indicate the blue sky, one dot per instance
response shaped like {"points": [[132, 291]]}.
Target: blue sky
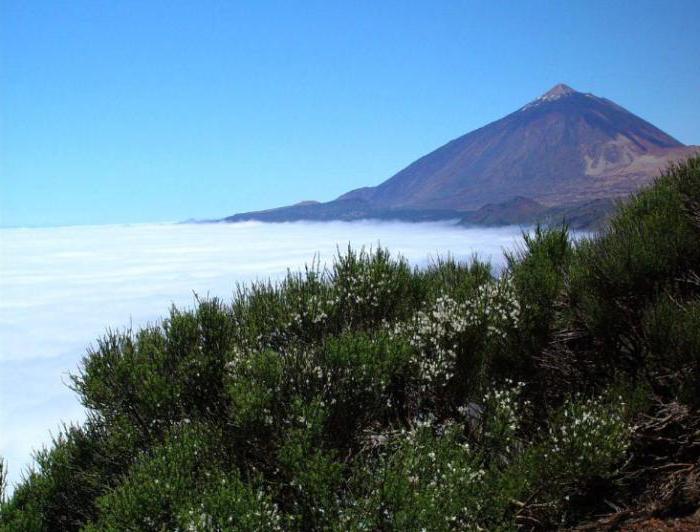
{"points": [[155, 111]]}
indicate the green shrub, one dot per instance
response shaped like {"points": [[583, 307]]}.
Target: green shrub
{"points": [[456, 342], [503, 412], [231, 505], [59, 494], [362, 396], [422, 480], [370, 287], [648, 246], [256, 385], [367, 380], [3, 480], [160, 375], [311, 474], [586, 438], [671, 332], [164, 481], [448, 277], [538, 271]]}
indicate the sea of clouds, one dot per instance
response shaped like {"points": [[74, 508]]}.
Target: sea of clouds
{"points": [[61, 288]]}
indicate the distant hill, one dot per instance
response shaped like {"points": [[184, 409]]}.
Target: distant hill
{"points": [[561, 151]]}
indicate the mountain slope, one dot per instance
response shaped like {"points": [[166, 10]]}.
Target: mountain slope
{"points": [[589, 214], [563, 148]]}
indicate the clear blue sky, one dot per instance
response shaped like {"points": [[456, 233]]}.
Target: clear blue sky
{"points": [[146, 111]]}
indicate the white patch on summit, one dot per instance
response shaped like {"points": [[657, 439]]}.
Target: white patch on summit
{"points": [[558, 91]]}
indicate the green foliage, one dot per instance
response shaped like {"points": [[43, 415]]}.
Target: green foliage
{"points": [[370, 287], [501, 426], [648, 248], [672, 341], [422, 480], [231, 504], [59, 494], [160, 374], [163, 481], [367, 380], [586, 438], [370, 396], [311, 474], [538, 272], [256, 384], [457, 280]]}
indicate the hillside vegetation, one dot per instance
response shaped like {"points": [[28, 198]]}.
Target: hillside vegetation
{"points": [[562, 392]]}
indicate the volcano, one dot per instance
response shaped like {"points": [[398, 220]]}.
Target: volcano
{"points": [[565, 150]]}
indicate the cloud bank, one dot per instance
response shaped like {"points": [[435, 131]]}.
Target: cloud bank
{"points": [[61, 288]]}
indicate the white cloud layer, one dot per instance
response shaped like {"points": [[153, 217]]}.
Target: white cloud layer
{"points": [[61, 288]]}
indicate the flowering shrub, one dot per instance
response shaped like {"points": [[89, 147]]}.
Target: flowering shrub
{"points": [[445, 276], [434, 335], [448, 328], [307, 301], [310, 475], [163, 481], [255, 383], [369, 287], [361, 397], [502, 417], [423, 481], [587, 438], [231, 505]]}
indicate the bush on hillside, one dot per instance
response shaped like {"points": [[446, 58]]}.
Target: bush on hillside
{"points": [[373, 396]]}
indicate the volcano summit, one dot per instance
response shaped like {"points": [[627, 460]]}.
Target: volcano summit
{"points": [[563, 154]]}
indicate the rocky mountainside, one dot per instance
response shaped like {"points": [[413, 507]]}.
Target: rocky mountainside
{"points": [[564, 149]]}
